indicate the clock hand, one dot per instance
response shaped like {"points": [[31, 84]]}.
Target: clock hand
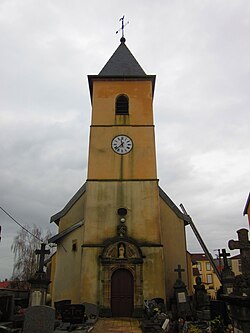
{"points": [[121, 145]]}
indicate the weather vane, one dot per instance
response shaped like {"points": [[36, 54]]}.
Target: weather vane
{"points": [[122, 28]]}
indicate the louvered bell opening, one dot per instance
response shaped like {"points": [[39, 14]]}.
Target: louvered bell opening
{"points": [[121, 106]]}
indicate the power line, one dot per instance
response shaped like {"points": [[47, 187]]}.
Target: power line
{"points": [[12, 218]]}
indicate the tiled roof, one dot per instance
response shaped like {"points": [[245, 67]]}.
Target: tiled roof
{"points": [[199, 257], [237, 256], [4, 284]]}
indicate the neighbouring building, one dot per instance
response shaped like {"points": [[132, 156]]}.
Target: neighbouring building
{"points": [[203, 268], [120, 236]]}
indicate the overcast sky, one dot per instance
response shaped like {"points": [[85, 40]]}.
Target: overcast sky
{"points": [[200, 52]]}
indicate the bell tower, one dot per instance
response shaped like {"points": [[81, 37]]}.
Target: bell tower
{"points": [[122, 96]]}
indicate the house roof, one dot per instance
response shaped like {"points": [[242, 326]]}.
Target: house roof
{"points": [[56, 217], [247, 204], [199, 257], [237, 256], [4, 284]]}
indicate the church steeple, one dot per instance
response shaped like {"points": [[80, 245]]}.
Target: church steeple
{"points": [[122, 63], [121, 66]]}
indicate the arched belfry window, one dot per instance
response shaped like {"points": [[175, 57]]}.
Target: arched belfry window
{"points": [[121, 104]]}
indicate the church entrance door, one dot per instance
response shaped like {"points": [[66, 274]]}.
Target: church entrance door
{"points": [[122, 293]]}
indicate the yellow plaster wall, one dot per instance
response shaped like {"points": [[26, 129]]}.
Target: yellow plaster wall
{"points": [[140, 102], [67, 265], [68, 268], [141, 200], [104, 163], [52, 269], [90, 279], [153, 273], [174, 241], [74, 215]]}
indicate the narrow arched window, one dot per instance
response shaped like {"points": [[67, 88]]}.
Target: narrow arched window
{"points": [[121, 105]]}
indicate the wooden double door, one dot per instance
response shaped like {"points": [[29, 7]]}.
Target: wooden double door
{"points": [[122, 293]]}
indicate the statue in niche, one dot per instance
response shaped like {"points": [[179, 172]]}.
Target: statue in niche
{"points": [[121, 251]]}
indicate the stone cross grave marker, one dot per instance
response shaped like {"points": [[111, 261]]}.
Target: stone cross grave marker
{"points": [[39, 319], [243, 244], [42, 252], [224, 255], [179, 270], [227, 276], [181, 296]]}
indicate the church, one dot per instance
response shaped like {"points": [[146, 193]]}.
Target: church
{"points": [[120, 237]]}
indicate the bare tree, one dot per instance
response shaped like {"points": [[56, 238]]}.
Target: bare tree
{"points": [[24, 245]]}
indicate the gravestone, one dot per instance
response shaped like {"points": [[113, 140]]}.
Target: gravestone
{"points": [[39, 282], [219, 308], [201, 300], [36, 297], [6, 307], [239, 299], [92, 313], [39, 319], [58, 306], [42, 252], [243, 245], [73, 313], [73, 318], [227, 275], [182, 301]]}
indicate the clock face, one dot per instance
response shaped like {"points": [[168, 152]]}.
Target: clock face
{"points": [[122, 144]]}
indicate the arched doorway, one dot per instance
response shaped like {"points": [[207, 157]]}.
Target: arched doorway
{"points": [[122, 293]]}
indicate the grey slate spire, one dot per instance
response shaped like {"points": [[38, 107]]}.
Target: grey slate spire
{"points": [[121, 66], [122, 63]]}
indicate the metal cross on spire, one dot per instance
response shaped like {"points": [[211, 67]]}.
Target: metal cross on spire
{"points": [[122, 29]]}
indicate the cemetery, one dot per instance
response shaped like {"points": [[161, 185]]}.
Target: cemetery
{"points": [[229, 312]]}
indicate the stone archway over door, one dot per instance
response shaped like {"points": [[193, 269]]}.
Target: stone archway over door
{"points": [[122, 293]]}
